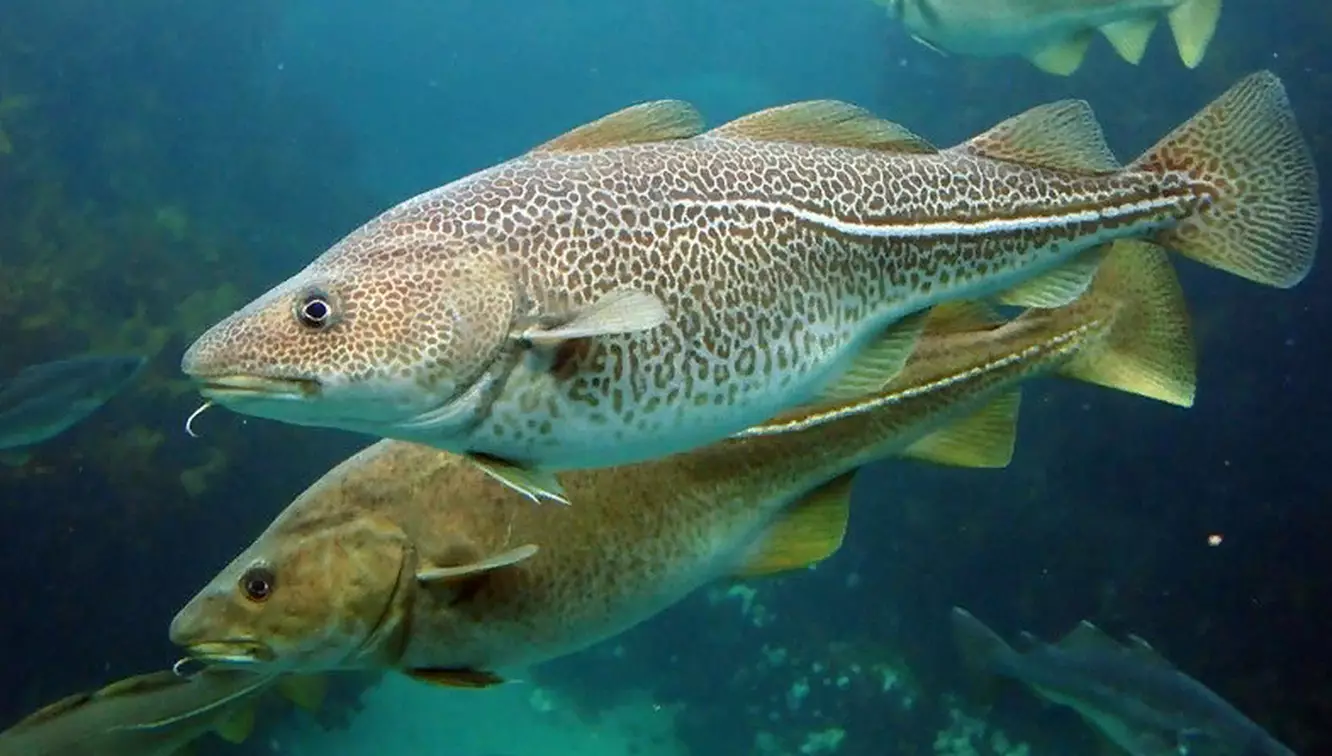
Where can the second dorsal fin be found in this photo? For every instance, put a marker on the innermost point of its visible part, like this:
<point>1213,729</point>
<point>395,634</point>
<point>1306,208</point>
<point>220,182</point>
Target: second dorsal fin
<point>829,123</point>
<point>655,121</point>
<point>1061,135</point>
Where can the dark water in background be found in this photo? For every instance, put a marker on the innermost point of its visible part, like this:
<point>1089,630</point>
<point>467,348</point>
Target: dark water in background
<point>171,148</point>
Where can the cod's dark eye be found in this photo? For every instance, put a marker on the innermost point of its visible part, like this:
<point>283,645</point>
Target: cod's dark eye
<point>315,311</point>
<point>258,583</point>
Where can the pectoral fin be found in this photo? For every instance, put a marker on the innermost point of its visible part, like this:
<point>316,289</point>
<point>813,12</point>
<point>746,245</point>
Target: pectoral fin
<point>620,311</point>
<point>505,559</point>
<point>534,483</point>
<point>456,678</point>
<point>809,531</point>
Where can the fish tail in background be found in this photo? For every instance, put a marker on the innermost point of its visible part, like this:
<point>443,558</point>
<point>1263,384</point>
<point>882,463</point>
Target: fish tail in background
<point>1193,23</point>
<point>1149,350</point>
<point>984,653</point>
<point>1245,147</point>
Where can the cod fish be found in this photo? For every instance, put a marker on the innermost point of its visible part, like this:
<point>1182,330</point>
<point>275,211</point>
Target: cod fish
<point>1128,692</point>
<point>43,401</point>
<point>156,714</point>
<point>1055,34</point>
<point>411,559</point>
<point>636,288</point>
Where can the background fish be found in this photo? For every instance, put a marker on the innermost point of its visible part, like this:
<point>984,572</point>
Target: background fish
<point>1055,34</point>
<point>45,400</point>
<point>633,289</point>
<point>404,557</point>
<point>155,714</point>
<point>1128,692</point>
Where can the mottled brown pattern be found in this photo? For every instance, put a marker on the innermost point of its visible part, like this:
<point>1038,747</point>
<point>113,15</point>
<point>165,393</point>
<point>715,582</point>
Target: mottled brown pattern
<point>639,538</point>
<point>777,263</point>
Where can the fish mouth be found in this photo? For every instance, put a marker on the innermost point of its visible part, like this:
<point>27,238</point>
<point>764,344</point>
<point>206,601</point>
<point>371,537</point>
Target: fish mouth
<point>258,387</point>
<point>235,652</point>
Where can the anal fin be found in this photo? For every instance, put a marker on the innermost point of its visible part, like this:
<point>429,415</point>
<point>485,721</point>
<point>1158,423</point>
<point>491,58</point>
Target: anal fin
<point>808,531</point>
<point>1058,287</point>
<point>985,439</point>
<point>1193,24</point>
<point>1130,37</point>
<point>878,363</point>
<point>1064,57</point>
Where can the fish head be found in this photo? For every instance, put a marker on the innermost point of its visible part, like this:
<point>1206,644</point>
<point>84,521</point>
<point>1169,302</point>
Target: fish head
<point>392,335</point>
<point>331,594</point>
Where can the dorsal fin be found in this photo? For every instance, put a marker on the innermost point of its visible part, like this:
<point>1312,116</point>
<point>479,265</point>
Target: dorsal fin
<point>1143,651</point>
<point>830,123</point>
<point>1061,135</point>
<point>656,121</point>
<point>1087,637</point>
<point>53,710</point>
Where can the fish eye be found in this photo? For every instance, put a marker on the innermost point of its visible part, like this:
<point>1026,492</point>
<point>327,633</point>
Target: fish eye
<point>315,311</point>
<point>258,583</point>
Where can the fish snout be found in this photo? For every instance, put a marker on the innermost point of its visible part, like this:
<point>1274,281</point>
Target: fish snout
<point>191,630</point>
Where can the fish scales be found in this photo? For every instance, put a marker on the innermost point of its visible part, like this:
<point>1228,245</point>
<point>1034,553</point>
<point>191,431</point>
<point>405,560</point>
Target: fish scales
<point>780,267</point>
<point>774,257</point>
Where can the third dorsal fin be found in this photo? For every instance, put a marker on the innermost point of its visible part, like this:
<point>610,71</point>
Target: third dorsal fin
<point>656,121</point>
<point>829,123</point>
<point>1061,135</point>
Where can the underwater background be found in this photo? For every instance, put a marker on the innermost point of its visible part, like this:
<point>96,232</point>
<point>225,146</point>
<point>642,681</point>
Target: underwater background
<point>161,163</point>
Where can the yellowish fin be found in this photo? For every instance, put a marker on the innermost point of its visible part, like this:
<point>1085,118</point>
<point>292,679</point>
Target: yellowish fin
<point>1193,24</point>
<point>828,123</point>
<point>306,691</point>
<point>237,725</point>
<point>1058,287</point>
<point>656,121</point>
<point>1063,136</point>
<point>456,678</point>
<point>1130,37</point>
<point>1263,222</point>
<point>506,559</point>
<point>877,364</point>
<point>620,311</point>
<point>535,484</point>
<point>1064,57</point>
<point>1149,350</point>
<point>809,531</point>
<point>984,439</point>
<point>961,316</point>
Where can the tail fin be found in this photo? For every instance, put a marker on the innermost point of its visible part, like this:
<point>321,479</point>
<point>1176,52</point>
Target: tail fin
<point>1149,350</point>
<point>1193,23</point>
<point>1263,219</point>
<point>982,649</point>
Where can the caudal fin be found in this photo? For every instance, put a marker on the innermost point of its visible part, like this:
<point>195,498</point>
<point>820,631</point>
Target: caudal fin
<point>1246,151</point>
<point>1149,350</point>
<point>983,651</point>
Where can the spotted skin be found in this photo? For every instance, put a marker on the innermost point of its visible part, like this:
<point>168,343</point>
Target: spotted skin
<point>641,537</point>
<point>777,263</point>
